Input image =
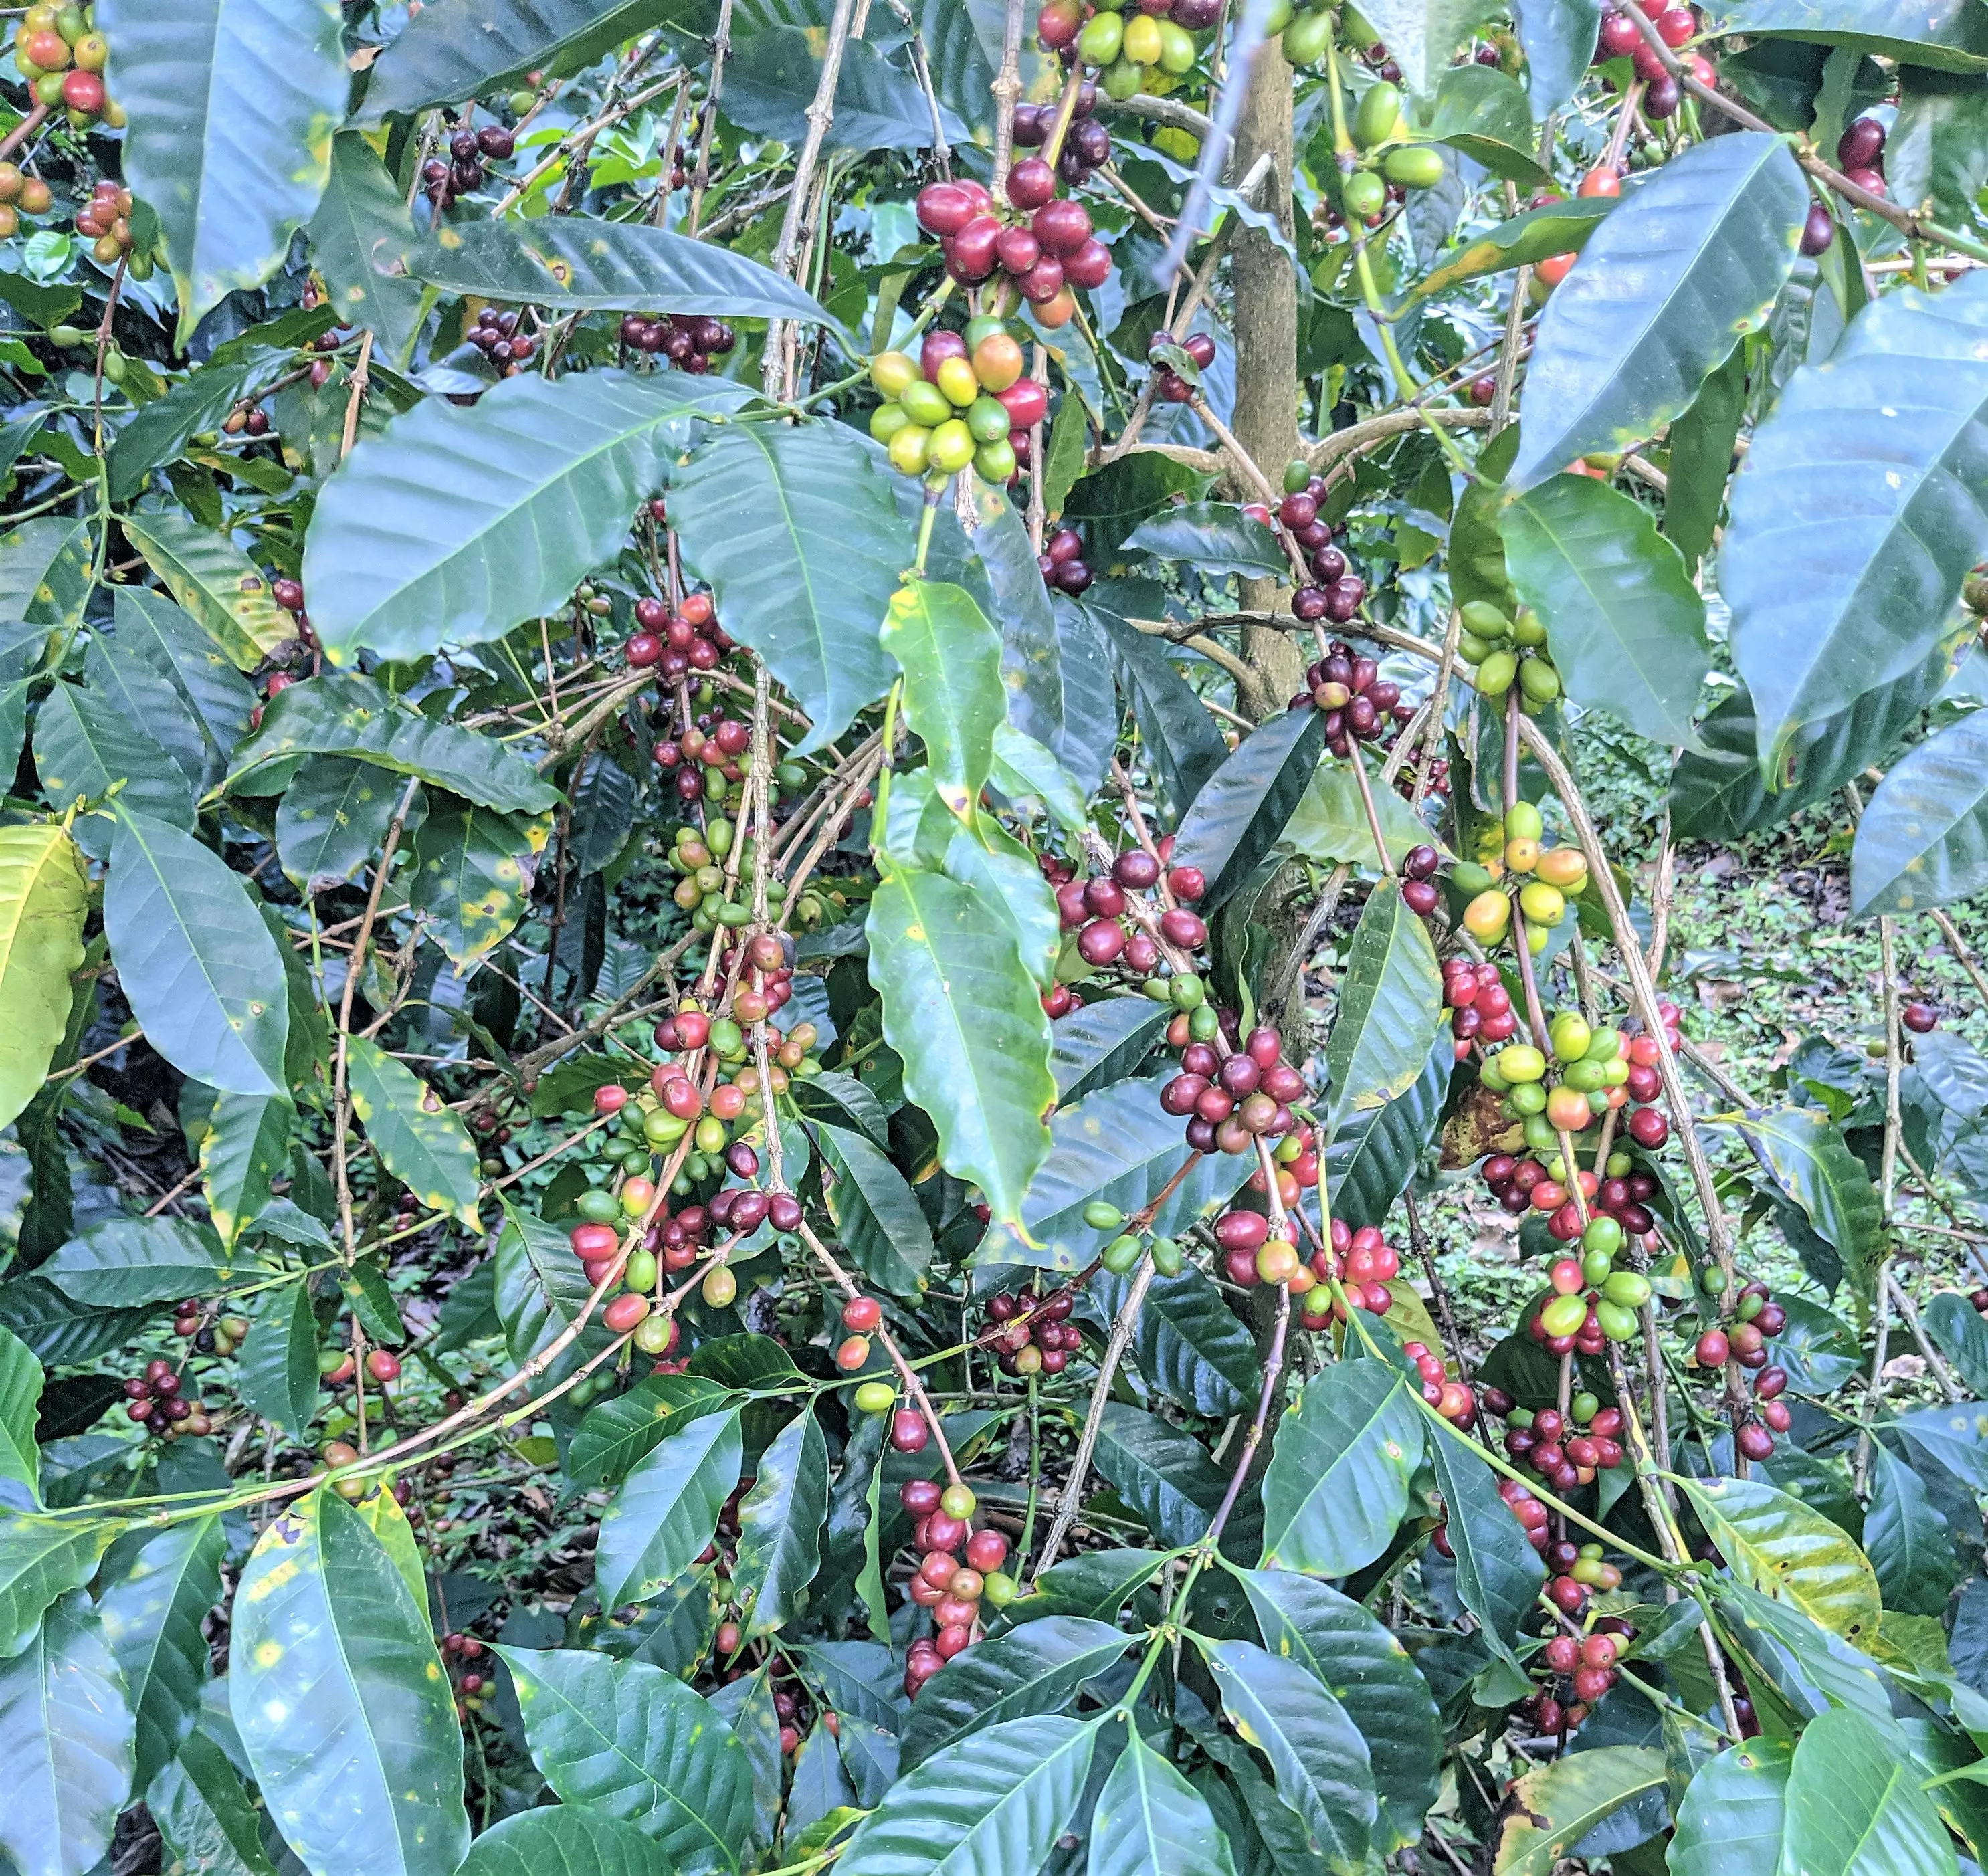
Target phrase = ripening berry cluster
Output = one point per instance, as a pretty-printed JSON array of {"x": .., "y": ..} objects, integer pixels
[
  {"x": 1582, "y": 1669},
  {"x": 472, "y": 1685},
  {"x": 1510, "y": 850},
  {"x": 155, "y": 1401},
  {"x": 1034, "y": 1335},
  {"x": 496, "y": 335},
  {"x": 1041, "y": 244},
  {"x": 1169, "y": 385},
  {"x": 1145, "y": 47},
  {"x": 689, "y": 339},
  {"x": 1503, "y": 651},
  {"x": 675, "y": 644},
  {"x": 1676, "y": 26},
  {"x": 1123, "y": 916},
  {"x": 463, "y": 170},
  {"x": 963, "y": 401},
  {"x": 60, "y": 53},
  {"x": 958, "y": 1569},
  {"x": 1086, "y": 144},
  {"x": 1358, "y": 702}
]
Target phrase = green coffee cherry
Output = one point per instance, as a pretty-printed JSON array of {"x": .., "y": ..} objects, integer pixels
[
  {"x": 1379, "y": 111},
  {"x": 1122, "y": 1254},
  {"x": 1102, "y": 1214}
]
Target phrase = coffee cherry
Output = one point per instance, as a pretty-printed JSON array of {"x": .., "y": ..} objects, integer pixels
[
  {"x": 909, "y": 1433},
  {"x": 1919, "y": 1018}
]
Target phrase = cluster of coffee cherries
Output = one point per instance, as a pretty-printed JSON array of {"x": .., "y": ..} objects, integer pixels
[
  {"x": 1588, "y": 1301},
  {"x": 1358, "y": 702},
  {"x": 21, "y": 194},
  {"x": 1860, "y": 153},
  {"x": 1581, "y": 1668},
  {"x": 713, "y": 897},
  {"x": 1566, "y": 1450},
  {"x": 1456, "y": 1401},
  {"x": 1504, "y": 649},
  {"x": 958, "y": 1569},
  {"x": 1033, "y": 1335},
  {"x": 462, "y": 1655},
  {"x": 675, "y": 644},
  {"x": 246, "y": 420},
  {"x": 1231, "y": 1090},
  {"x": 496, "y": 335},
  {"x": 1334, "y": 592},
  {"x": 463, "y": 170},
  {"x": 1170, "y": 385},
  {"x": 1110, "y": 913},
  {"x": 1513, "y": 848},
  {"x": 60, "y": 53},
  {"x": 1046, "y": 249},
  {"x": 1757, "y": 1319},
  {"x": 689, "y": 340},
  {"x": 1062, "y": 563},
  {"x": 958, "y": 404},
  {"x": 105, "y": 222},
  {"x": 324, "y": 343},
  {"x": 1677, "y": 26},
  {"x": 1127, "y": 44},
  {"x": 221, "y": 1336},
  {"x": 1596, "y": 1072},
  {"x": 1390, "y": 165},
  {"x": 155, "y": 1401},
  {"x": 1086, "y": 144}
]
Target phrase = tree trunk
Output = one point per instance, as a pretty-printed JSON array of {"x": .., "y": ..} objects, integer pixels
[{"x": 1266, "y": 355}]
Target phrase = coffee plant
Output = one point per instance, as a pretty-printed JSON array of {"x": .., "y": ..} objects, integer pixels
[{"x": 834, "y": 1035}]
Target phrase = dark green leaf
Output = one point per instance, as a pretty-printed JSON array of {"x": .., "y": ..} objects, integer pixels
[
  {"x": 1479, "y": 110},
  {"x": 158, "y": 431},
  {"x": 152, "y": 1616},
  {"x": 195, "y": 961},
  {"x": 1701, "y": 460},
  {"x": 667, "y": 1509},
  {"x": 578, "y": 262},
  {"x": 566, "y": 1840},
  {"x": 351, "y": 715},
  {"x": 779, "y": 1527},
  {"x": 1805, "y": 1151},
  {"x": 1321, "y": 1763},
  {"x": 1375, "y": 1153},
  {"x": 342, "y": 1702},
  {"x": 232, "y": 107},
  {"x": 1181, "y": 741},
  {"x": 964, "y": 1015},
  {"x": 621, "y": 1429},
  {"x": 453, "y": 525},
  {"x": 1371, "y": 1676},
  {"x": 1785, "y": 1549},
  {"x": 152, "y": 707},
  {"x": 1036, "y": 1668},
  {"x": 1498, "y": 1572},
  {"x": 175, "y": 645},
  {"x": 1149, "y": 1821},
  {"x": 83, "y": 745},
  {"x": 627, "y": 1740},
  {"x": 1559, "y": 37},
  {"x": 205, "y": 1816},
  {"x": 45, "y": 571},
  {"x": 1808, "y": 1668},
  {"x": 278, "y": 1369},
  {"x": 474, "y": 872},
  {"x": 418, "y": 1138},
  {"x": 461, "y": 48},
  {"x": 1730, "y": 1822},
  {"x": 1098, "y": 1584},
  {"x": 1101, "y": 1043},
  {"x": 42, "y": 1559},
  {"x": 1854, "y": 1806},
  {"x": 1163, "y": 1473},
  {"x": 1962, "y": 1336},
  {"x": 122, "y": 1262},
  {"x": 1390, "y": 1007},
  {"x": 882, "y": 1226},
  {"x": 1241, "y": 811},
  {"x": 1558, "y": 1804},
  {"x": 1907, "y": 1539},
  {"x": 1955, "y": 1434},
  {"x": 1421, "y": 35},
  {"x": 1337, "y": 1482},
  {"x": 1117, "y": 1145},
  {"x": 1886, "y": 430},
  {"x": 1189, "y": 1344},
  {"x": 332, "y": 819},
  {"x": 59, "y": 1331},
  {"x": 1687, "y": 263},
  {"x": 363, "y": 239},
  {"x": 1559, "y": 227},
  {"x": 1923, "y": 839},
  {"x": 66, "y": 1739},
  {"x": 1214, "y": 537},
  {"x": 995, "y": 1801},
  {"x": 774, "y": 74},
  {"x": 1625, "y": 624},
  {"x": 1947, "y": 35}
]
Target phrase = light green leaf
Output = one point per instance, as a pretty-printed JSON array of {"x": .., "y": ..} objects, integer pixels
[
  {"x": 1337, "y": 1482},
  {"x": 1624, "y": 624},
  {"x": 1390, "y": 1007},
  {"x": 205, "y": 1816},
  {"x": 246, "y": 1145},
  {"x": 961, "y": 1011},
  {"x": 629, "y": 1741},
  {"x": 21, "y": 1381},
  {"x": 566, "y": 1840},
  {"x": 42, "y": 1559},
  {"x": 1024, "y": 768},
  {"x": 954, "y": 699},
  {"x": 45, "y": 570},
  {"x": 779, "y": 1527},
  {"x": 123, "y": 1262},
  {"x": 1421, "y": 35},
  {"x": 43, "y": 896},
  {"x": 1677, "y": 271},
  {"x": 1730, "y": 1822},
  {"x": 85, "y": 746},
  {"x": 800, "y": 539},
  {"x": 343, "y": 1704},
  {"x": 198, "y": 964},
  {"x": 224, "y": 590},
  {"x": 1149, "y": 1821},
  {"x": 1946, "y": 35},
  {"x": 660, "y": 1520},
  {"x": 1330, "y": 824},
  {"x": 619, "y": 1430},
  {"x": 66, "y": 1739},
  {"x": 454, "y": 525},
  {"x": 1004, "y": 875},
  {"x": 420, "y": 1139},
  {"x": 362, "y": 237},
  {"x": 1923, "y": 839},
  {"x": 1855, "y": 1806},
  {"x": 1784, "y": 1549},
  {"x": 1805, "y": 1151}
]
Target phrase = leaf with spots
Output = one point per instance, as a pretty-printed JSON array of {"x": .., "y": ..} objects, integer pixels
[
  {"x": 418, "y": 1138},
  {"x": 473, "y": 874},
  {"x": 227, "y": 593},
  {"x": 1785, "y": 1549},
  {"x": 361, "y": 238},
  {"x": 1559, "y": 1803},
  {"x": 42, "y": 1559},
  {"x": 247, "y": 1144},
  {"x": 332, "y": 819},
  {"x": 343, "y": 1707},
  {"x": 628, "y": 1740},
  {"x": 152, "y": 1616}
]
